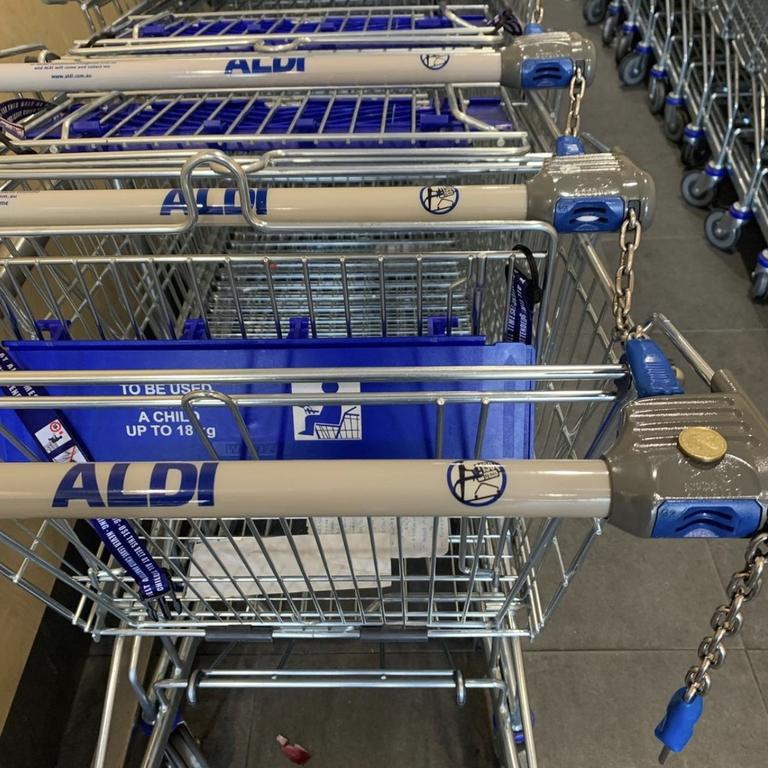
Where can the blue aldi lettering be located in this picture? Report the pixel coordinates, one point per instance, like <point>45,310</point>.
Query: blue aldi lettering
<point>174,201</point>
<point>259,66</point>
<point>80,483</point>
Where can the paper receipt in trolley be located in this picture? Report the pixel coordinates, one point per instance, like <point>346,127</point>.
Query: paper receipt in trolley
<point>228,568</point>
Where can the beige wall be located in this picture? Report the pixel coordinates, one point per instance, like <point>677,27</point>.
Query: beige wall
<point>26,21</point>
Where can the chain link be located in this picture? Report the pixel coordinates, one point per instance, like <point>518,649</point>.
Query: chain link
<point>727,619</point>
<point>576,91</point>
<point>538,13</point>
<point>624,285</point>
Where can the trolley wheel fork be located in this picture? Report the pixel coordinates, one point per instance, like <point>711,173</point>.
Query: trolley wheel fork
<point>675,120</point>
<point>183,751</point>
<point>657,95</point>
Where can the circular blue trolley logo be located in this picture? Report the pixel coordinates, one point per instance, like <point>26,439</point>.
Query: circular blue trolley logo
<point>477,483</point>
<point>439,200</point>
<point>435,61</point>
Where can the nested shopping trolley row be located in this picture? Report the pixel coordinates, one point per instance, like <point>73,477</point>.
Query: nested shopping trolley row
<point>706,69</point>
<point>353,372</point>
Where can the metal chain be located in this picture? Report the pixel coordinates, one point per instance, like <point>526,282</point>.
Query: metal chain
<point>624,285</point>
<point>576,91</point>
<point>727,619</point>
<point>538,13</point>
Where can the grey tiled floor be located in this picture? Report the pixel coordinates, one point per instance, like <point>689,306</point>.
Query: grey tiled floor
<point>626,633</point>
<point>601,673</point>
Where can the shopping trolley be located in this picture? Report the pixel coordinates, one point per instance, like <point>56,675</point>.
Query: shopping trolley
<point>428,545</point>
<point>427,282</point>
<point>629,32</point>
<point>680,60</point>
<point>636,63</point>
<point>662,44</point>
<point>725,121</point>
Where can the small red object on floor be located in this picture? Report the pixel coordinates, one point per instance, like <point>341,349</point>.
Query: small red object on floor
<point>294,752</point>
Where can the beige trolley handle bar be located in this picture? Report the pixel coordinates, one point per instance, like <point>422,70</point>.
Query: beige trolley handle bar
<point>585,193</point>
<point>653,482</point>
<point>545,60</point>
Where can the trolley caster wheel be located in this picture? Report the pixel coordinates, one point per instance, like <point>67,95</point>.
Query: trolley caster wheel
<point>610,28</point>
<point>594,11</point>
<point>719,234</point>
<point>633,68</point>
<point>694,153</point>
<point>657,95</point>
<point>675,120</point>
<point>693,196</point>
<point>624,46</point>
<point>759,288</point>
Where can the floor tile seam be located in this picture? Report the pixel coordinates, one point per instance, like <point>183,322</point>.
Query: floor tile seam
<point>763,694</point>
<point>679,649</point>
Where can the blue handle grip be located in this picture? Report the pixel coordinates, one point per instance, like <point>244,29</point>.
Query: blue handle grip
<point>676,729</point>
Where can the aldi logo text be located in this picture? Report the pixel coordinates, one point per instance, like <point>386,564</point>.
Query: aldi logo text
<point>260,66</point>
<point>168,484</point>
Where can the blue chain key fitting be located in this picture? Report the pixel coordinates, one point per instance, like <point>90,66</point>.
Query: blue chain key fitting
<point>676,729</point>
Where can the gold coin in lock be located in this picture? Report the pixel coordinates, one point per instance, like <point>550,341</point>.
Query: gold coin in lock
<point>702,444</point>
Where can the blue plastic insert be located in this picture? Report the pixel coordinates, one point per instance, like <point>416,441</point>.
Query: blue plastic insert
<point>707,518</point>
<point>340,431</point>
<point>555,73</point>
<point>569,145</point>
<point>588,214</point>
<point>311,119</point>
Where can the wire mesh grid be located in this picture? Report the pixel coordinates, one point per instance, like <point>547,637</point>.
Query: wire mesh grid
<point>339,118</point>
<point>328,26</point>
